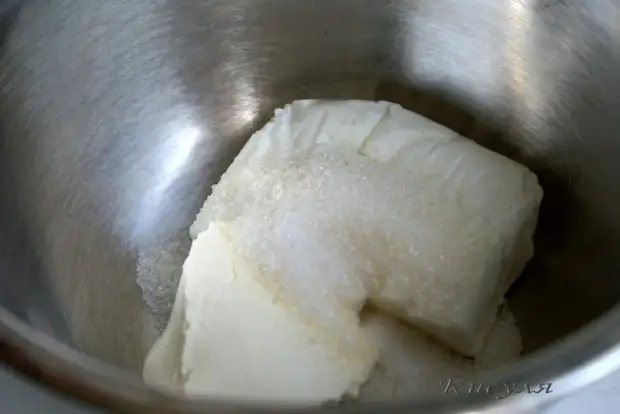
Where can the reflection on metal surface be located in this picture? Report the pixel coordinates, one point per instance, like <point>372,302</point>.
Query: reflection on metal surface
<point>117,117</point>
<point>456,55</point>
<point>524,83</point>
<point>174,155</point>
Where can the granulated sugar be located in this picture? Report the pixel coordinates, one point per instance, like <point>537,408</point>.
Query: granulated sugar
<point>159,270</point>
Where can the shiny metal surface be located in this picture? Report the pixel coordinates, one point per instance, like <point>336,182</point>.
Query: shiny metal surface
<point>116,117</point>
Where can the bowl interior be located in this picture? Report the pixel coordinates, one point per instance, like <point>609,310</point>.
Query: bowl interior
<point>117,117</point>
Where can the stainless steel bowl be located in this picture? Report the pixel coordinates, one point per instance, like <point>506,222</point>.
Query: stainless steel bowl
<point>117,116</point>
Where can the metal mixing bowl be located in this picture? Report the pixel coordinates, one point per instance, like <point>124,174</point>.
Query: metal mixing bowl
<point>117,116</point>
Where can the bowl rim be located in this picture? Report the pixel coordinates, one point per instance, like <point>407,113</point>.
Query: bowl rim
<point>583,357</point>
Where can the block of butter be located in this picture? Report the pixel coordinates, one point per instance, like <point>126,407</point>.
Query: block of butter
<point>435,225</point>
<point>330,206</point>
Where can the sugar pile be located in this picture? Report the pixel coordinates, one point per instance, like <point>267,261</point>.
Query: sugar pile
<point>159,270</point>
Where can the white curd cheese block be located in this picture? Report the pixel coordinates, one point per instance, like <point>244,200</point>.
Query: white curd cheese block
<point>230,337</point>
<point>343,202</point>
